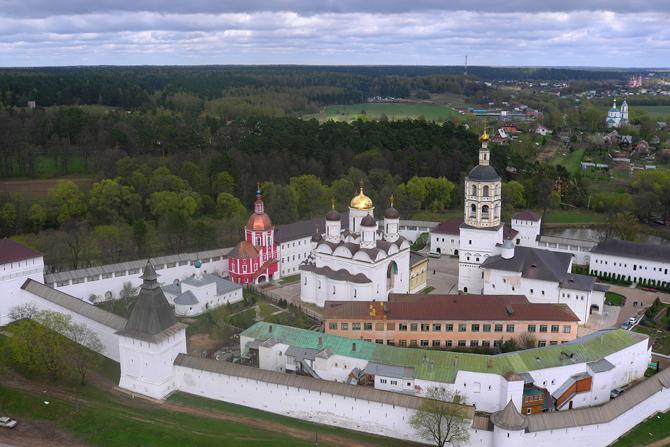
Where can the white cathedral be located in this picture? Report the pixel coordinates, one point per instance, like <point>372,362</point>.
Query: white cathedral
<point>617,117</point>
<point>361,263</point>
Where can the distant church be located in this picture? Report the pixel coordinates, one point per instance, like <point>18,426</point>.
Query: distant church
<point>617,117</point>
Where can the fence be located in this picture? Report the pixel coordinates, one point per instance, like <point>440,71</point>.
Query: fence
<point>311,313</point>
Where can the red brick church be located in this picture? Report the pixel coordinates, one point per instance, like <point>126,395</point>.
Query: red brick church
<point>254,260</point>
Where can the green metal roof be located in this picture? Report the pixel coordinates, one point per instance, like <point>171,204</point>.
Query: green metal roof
<point>442,366</point>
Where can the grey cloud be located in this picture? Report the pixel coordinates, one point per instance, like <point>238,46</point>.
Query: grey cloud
<point>43,8</point>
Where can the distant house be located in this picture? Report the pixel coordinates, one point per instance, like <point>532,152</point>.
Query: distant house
<point>612,138</point>
<point>541,130</point>
<point>642,147</point>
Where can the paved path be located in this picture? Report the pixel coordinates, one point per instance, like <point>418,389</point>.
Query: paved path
<point>443,275</point>
<point>636,301</point>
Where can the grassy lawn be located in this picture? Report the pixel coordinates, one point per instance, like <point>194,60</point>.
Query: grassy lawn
<point>267,310</point>
<point>393,111</point>
<point>652,111</point>
<point>289,280</point>
<point>614,299</point>
<point>574,217</point>
<point>108,422</point>
<point>660,338</point>
<point>653,429</point>
<point>571,161</point>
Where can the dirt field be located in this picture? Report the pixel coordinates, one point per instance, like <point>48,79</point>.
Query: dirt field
<point>36,188</point>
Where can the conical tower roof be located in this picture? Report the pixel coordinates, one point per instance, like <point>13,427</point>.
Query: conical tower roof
<point>151,314</point>
<point>509,418</point>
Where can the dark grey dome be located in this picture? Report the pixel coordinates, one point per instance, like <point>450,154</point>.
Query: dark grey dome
<point>391,213</point>
<point>368,221</point>
<point>333,215</point>
<point>484,173</point>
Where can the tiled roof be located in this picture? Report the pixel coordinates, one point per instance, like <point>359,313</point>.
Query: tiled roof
<point>615,247</point>
<point>442,366</point>
<point>450,307</point>
<point>12,251</point>
<point>243,250</point>
<point>509,418</point>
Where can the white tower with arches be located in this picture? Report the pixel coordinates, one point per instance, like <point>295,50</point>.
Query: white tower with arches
<point>481,233</point>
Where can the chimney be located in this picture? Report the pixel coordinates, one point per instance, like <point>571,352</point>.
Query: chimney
<point>270,329</point>
<point>489,363</point>
<point>320,341</point>
<point>353,347</point>
<point>509,309</point>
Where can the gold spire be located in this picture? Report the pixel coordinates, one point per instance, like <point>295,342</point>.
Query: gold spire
<point>391,199</point>
<point>332,203</point>
<point>485,137</point>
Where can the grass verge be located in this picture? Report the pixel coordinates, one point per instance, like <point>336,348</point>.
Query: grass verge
<point>653,429</point>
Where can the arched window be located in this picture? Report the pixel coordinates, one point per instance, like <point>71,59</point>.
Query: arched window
<point>473,210</point>
<point>486,191</point>
<point>485,212</point>
<point>474,190</point>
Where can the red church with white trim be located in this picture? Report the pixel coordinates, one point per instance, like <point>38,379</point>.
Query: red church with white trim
<point>254,260</point>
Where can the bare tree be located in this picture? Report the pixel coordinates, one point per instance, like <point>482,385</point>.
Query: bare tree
<point>83,354</point>
<point>442,418</point>
<point>25,311</point>
<point>527,341</point>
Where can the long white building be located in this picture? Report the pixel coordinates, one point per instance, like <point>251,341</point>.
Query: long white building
<point>631,261</point>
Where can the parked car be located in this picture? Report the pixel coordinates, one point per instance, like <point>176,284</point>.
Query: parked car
<point>434,254</point>
<point>7,422</point>
<point>616,392</point>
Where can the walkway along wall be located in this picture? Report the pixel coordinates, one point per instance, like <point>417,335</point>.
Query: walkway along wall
<point>330,403</point>
<point>388,414</point>
<point>104,324</point>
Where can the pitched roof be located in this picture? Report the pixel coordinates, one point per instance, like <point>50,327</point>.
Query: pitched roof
<point>186,299</point>
<point>12,251</point>
<point>449,226</point>
<point>339,275</point>
<point>152,315</point>
<point>74,304</point>
<point>442,366</point>
<point>304,228</point>
<point>627,249</point>
<point>509,418</point>
<point>526,215</point>
<point>243,250</point>
<point>222,284</point>
<point>533,263</point>
<point>450,307</point>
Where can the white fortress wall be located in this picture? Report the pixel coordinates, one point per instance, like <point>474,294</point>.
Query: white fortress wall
<point>103,323</point>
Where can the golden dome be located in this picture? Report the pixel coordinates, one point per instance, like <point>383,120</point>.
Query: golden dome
<point>259,222</point>
<point>485,137</point>
<point>361,201</point>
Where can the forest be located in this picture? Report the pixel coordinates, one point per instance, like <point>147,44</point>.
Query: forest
<point>157,160</point>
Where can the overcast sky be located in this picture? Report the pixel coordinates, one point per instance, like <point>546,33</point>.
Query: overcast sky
<point>614,33</point>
